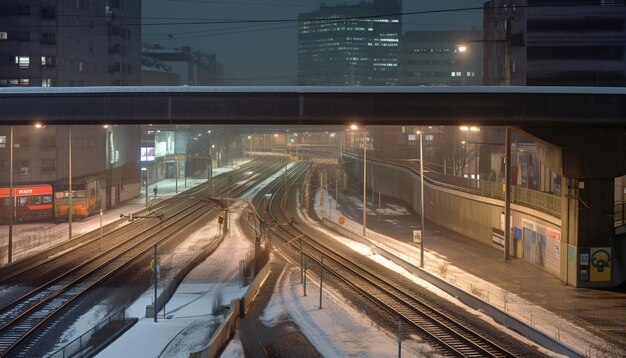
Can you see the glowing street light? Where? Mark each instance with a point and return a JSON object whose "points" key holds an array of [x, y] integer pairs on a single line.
{"points": [[355, 127]]}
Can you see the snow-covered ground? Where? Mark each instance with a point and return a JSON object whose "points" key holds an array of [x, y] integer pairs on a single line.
{"points": [[234, 349], [188, 312], [568, 332], [337, 330], [29, 239]]}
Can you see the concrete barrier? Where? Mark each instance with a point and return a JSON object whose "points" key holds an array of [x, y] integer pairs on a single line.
{"points": [[532, 333], [254, 288], [222, 335], [238, 308]]}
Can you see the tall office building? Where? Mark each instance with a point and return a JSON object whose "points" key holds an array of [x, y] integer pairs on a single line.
{"points": [[70, 43], [441, 58], [529, 42], [350, 45]]}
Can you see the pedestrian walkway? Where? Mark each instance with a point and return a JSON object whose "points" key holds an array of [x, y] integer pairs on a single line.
{"points": [[591, 321], [31, 238]]}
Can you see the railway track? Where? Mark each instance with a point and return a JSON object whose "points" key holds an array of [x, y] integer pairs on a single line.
{"points": [[444, 333], [23, 319]]}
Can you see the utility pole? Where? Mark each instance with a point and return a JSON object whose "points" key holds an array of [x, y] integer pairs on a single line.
{"points": [[321, 278], [69, 210], [365, 185], [11, 199], [507, 193], [422, 199], [156, 281]]}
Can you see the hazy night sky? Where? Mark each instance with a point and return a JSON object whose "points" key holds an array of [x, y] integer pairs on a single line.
{"points": [[255, 56]]}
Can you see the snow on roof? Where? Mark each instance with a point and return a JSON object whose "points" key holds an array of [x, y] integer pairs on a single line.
{"points": [[315, 89]]}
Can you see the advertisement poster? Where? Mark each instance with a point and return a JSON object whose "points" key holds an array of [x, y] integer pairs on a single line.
{"points": [[600, 264]]}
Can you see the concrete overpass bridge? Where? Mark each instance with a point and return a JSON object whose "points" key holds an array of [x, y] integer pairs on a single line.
{"points": [[585, 126]]}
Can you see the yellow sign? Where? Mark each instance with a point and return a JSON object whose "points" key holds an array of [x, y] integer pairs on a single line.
{"points": [[600, 264]]}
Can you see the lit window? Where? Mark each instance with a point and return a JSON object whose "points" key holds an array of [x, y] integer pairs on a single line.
{"points": [[46, 82], [48, 61], [22, 61], [24, 82], [3, 35], [453, 74]]}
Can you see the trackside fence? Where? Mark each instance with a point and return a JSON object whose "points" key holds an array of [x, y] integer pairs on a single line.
{"points": [[98, 337]]}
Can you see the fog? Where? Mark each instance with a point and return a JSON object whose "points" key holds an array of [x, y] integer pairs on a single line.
{"points": [[266, 54]]}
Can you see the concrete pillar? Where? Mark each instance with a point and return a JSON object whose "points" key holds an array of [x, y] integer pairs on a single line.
{"points": [[569, 233], [598, 258]]}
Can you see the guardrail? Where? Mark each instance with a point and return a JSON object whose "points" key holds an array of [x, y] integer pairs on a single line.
{"points": [[618, 214], [92, 341], [545, 202]]}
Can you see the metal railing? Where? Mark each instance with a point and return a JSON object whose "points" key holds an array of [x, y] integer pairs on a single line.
{"points": [[87, 343], [545, 202], [618, 213]]}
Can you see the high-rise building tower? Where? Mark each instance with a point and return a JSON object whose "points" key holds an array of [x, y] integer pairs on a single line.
{"points": [[568, 43], [441, 58], [70, 43], [350, 45]]}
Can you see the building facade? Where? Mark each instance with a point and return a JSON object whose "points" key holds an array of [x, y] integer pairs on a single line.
{"points": [[568, 44], [193, 68], [350, 45], [70, 43], [41, 156], [441, 58]]}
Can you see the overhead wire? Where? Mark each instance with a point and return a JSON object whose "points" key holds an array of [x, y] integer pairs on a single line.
{"points": [[322, 19]]}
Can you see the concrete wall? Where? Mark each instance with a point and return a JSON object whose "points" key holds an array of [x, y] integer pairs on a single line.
{"points": [[470, 215]]}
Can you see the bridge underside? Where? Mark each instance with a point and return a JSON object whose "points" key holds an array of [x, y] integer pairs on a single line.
{"points": [[497, 106], [587, 127]]}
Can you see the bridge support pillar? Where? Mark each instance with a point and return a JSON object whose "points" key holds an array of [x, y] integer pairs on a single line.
{"points": [[592, 254]]}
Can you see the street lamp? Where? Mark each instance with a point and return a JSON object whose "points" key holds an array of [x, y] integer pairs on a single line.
{"points": [[355, 127], [420, 134], [69, 166]]}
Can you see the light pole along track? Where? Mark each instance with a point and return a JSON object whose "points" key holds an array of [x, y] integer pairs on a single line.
{"points": [[24, 318], [442, 331]]}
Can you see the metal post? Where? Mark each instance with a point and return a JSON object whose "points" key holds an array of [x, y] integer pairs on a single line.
{"points": [[305, 267], [336, 189], [156, 263], [365, 186], [422, 200], [341, 140], [378, 204], [507, 193], [11, 204], [399, 337], [301, 262], [146, 187], [100, 229], [69, 210], [176, 172], [321, 278]]}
